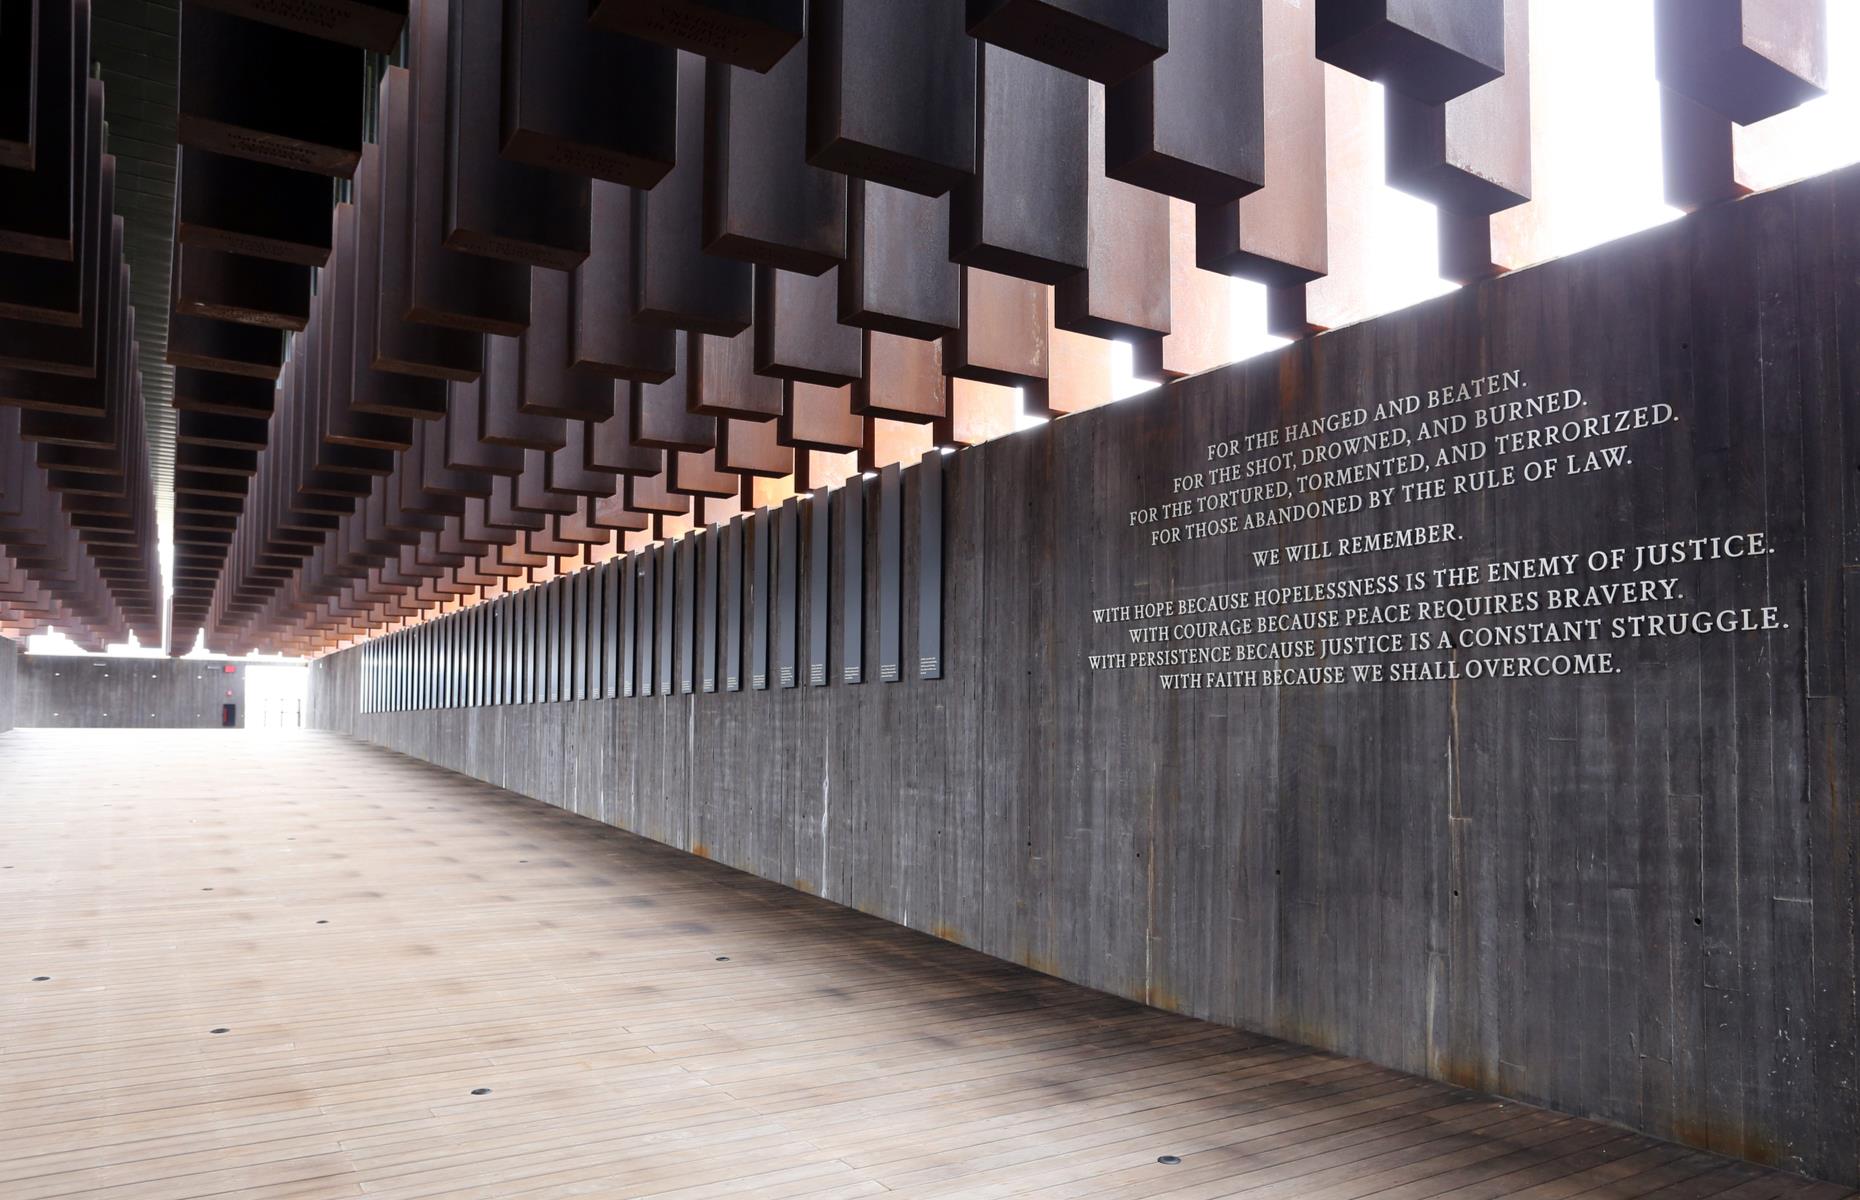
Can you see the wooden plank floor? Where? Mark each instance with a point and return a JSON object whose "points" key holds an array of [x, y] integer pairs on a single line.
{"points": [[281, 966]]}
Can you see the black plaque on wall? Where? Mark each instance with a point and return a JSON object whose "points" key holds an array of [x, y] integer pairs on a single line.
{"points": [[487, 653], [490, 648], [732, 633], [507, 650], [463, 664], [555, 603], [497, 634], [550, 631], [561, 596], [598, 607], [687, 613], [594, 620], [536, 642], [890, 572], [477, 666], [545, 642], [759, 528], [708, 551], [819, 543], [533, 644], [510, 623], [507, 635], [491, 645], [606, 672], [585, 606], [519, 648], [930, 566], [568, 603], [852, 580], [481, 622], [787, 583], [562, 607], [629, 634], [667, 616], [516, 649], [647, 597]]}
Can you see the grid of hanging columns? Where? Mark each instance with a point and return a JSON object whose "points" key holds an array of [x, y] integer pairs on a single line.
{"points": [[535, 284]]}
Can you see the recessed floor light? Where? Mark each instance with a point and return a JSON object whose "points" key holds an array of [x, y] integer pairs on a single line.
{"points": [[481, 1091], [1168, 1160]]}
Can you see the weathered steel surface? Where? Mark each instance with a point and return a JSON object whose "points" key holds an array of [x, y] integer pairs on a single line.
{"points": [[1192, 124]]}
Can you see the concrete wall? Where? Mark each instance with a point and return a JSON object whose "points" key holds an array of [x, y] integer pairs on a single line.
{"points": [[1626, 889], [131, 693], [10, 654]]}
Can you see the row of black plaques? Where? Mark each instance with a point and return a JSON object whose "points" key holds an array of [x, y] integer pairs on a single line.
{"points": [[718, 609]]}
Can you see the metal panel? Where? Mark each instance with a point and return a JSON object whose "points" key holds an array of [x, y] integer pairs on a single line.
{"points": [[930, 566], [732, 573], [613, 625], [561, 636], [852, 580], [709, 550], [890, 571], [667, 617], [478, 617], [555, 631], [687, 612], [531, 661], [648, 591], [759, 530], [629, 630], [593, 620], [578, 672], [819, 573], [787, 583], [499, 618]]}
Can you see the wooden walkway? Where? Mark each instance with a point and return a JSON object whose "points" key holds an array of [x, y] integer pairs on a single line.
{"points": [[287, 966]]}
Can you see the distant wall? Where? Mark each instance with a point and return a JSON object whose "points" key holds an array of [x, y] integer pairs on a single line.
{"points": [[10, 654], [127, 693]]}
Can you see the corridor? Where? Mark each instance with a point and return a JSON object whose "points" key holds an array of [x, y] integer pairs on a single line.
{"points": [[266, 965]]}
